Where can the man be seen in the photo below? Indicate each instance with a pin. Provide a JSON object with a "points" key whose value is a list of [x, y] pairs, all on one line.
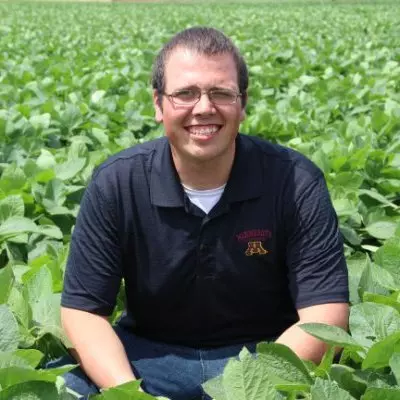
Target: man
{"points": [[223, 240]]}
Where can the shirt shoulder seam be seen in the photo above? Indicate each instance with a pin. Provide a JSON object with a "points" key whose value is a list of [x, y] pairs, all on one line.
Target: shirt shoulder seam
{"points": [[295, 163]]}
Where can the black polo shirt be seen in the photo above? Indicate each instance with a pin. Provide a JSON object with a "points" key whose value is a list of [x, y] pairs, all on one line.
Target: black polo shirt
{"points": [[269, 246]]}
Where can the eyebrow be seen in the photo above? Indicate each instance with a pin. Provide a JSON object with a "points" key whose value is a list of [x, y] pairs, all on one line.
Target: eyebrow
{"points": [[191, 87]]}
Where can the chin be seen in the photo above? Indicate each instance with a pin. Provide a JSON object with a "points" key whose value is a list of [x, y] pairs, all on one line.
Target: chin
{"points": [[204, 156]]}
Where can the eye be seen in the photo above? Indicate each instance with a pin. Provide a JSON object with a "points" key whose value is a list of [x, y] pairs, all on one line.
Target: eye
{"points": [[223, 96], [186, 95]]}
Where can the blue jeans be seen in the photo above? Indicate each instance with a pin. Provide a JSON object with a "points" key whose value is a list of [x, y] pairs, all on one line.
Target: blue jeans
{"points": [[173, 371]]}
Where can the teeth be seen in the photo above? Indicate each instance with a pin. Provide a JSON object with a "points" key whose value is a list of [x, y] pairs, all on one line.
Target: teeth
{"points": [[209, 130]]}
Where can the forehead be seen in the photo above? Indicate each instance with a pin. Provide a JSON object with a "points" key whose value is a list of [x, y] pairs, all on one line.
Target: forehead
{"points": [[186, 67]]}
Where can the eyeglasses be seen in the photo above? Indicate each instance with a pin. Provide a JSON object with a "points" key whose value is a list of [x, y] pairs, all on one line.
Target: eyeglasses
{"points": [[190, 97]]}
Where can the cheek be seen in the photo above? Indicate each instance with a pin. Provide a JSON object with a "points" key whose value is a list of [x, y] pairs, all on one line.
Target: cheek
{"points": [[174, 123], [236, 116], [175, 118]]}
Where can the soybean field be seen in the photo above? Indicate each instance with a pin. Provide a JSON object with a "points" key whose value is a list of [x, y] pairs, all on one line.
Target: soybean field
{"points": [[75, 89]]}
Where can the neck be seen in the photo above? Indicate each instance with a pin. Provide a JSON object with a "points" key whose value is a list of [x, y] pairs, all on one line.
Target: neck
{"points": [[203, 175]]}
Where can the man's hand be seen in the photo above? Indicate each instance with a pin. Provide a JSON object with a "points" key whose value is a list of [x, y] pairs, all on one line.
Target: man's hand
{"points": [[97, 348], [306, 346]]}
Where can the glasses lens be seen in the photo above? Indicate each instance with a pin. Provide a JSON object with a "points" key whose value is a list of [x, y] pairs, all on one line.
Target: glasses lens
{"points": [[185, 97], [222, 96]]}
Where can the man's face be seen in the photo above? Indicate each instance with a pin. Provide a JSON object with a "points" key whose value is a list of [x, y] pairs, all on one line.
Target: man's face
{"points": [[204, 131]]}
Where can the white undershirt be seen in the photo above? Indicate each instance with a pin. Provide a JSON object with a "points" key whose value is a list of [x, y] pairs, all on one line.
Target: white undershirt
{"points": [[204, 199]]}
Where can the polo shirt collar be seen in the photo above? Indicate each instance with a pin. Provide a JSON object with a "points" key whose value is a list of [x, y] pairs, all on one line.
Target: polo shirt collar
{"points": [[165, 186], [245, 181]]}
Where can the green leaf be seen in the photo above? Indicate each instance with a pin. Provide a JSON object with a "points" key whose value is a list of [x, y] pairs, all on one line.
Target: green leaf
{"points": [[19, 306], [46, 160], [350, 234], [344, 207], [378, 197], [394, 363], [11, 206], [69, 169], [325, 365], [332, 335], [101, 136], [71, 117], [19, 271], [116, 394], [55, 194], [30, 168], [370, 248], [58, 210], [46, 315], [371, 322], [381, 394], [350, 180], [379, 354], [392, 107], [126, 391], [30, 391], [328, 390], [215, 388], [356, 265], [10, 359], [52, 231], [59, 371], [16, 375], [280, 361], [43, 177], [246, 379], [348, 380], [6, 283], [97, 96], [12, 179], [380, 299], [292, 388], [382, 229], [388, 257], [15, 226], [31, 356], [26, 338], [15, 251], [78, 148], [51, 346], [375, 279], [40, 121], [8, 330], [39, 285]]}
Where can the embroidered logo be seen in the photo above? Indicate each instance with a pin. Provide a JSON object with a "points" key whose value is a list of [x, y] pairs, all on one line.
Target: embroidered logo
{"points": [[254, 239], [255, 248]]}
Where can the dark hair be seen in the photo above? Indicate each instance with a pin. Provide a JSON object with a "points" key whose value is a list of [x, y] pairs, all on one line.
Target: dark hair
{"points": [[207, 41]]}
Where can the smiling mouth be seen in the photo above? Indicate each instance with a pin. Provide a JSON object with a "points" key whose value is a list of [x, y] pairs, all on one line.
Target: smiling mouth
{"points": [[203, 130]]}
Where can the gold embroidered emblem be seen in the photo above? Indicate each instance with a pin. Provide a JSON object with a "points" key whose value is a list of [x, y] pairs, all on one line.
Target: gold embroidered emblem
{"points": [[255, 248]]}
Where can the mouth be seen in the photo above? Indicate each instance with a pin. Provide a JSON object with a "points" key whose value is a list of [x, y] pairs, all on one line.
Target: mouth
{"points": [[204, 131]]}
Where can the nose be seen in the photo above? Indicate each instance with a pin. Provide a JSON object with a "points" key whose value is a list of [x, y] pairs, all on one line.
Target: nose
{"points": [[204, 105]]}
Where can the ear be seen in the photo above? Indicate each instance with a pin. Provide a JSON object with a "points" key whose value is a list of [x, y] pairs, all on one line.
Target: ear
{"points": [[242, 114], [157, 107], [243, 107]]}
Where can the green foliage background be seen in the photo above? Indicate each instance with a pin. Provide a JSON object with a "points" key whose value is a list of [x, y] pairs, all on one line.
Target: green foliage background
{"points": [[74, 89]]}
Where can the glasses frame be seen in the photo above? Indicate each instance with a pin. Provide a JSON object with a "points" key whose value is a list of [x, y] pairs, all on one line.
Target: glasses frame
{"points": [[200, 93]]}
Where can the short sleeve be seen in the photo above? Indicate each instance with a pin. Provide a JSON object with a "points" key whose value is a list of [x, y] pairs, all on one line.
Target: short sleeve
{"points": [[93, 273], [316, 264]]}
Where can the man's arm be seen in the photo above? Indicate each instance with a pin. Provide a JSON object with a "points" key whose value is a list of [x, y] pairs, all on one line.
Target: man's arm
{"points": [[306, 346], [97, 348], [92, 279]]}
